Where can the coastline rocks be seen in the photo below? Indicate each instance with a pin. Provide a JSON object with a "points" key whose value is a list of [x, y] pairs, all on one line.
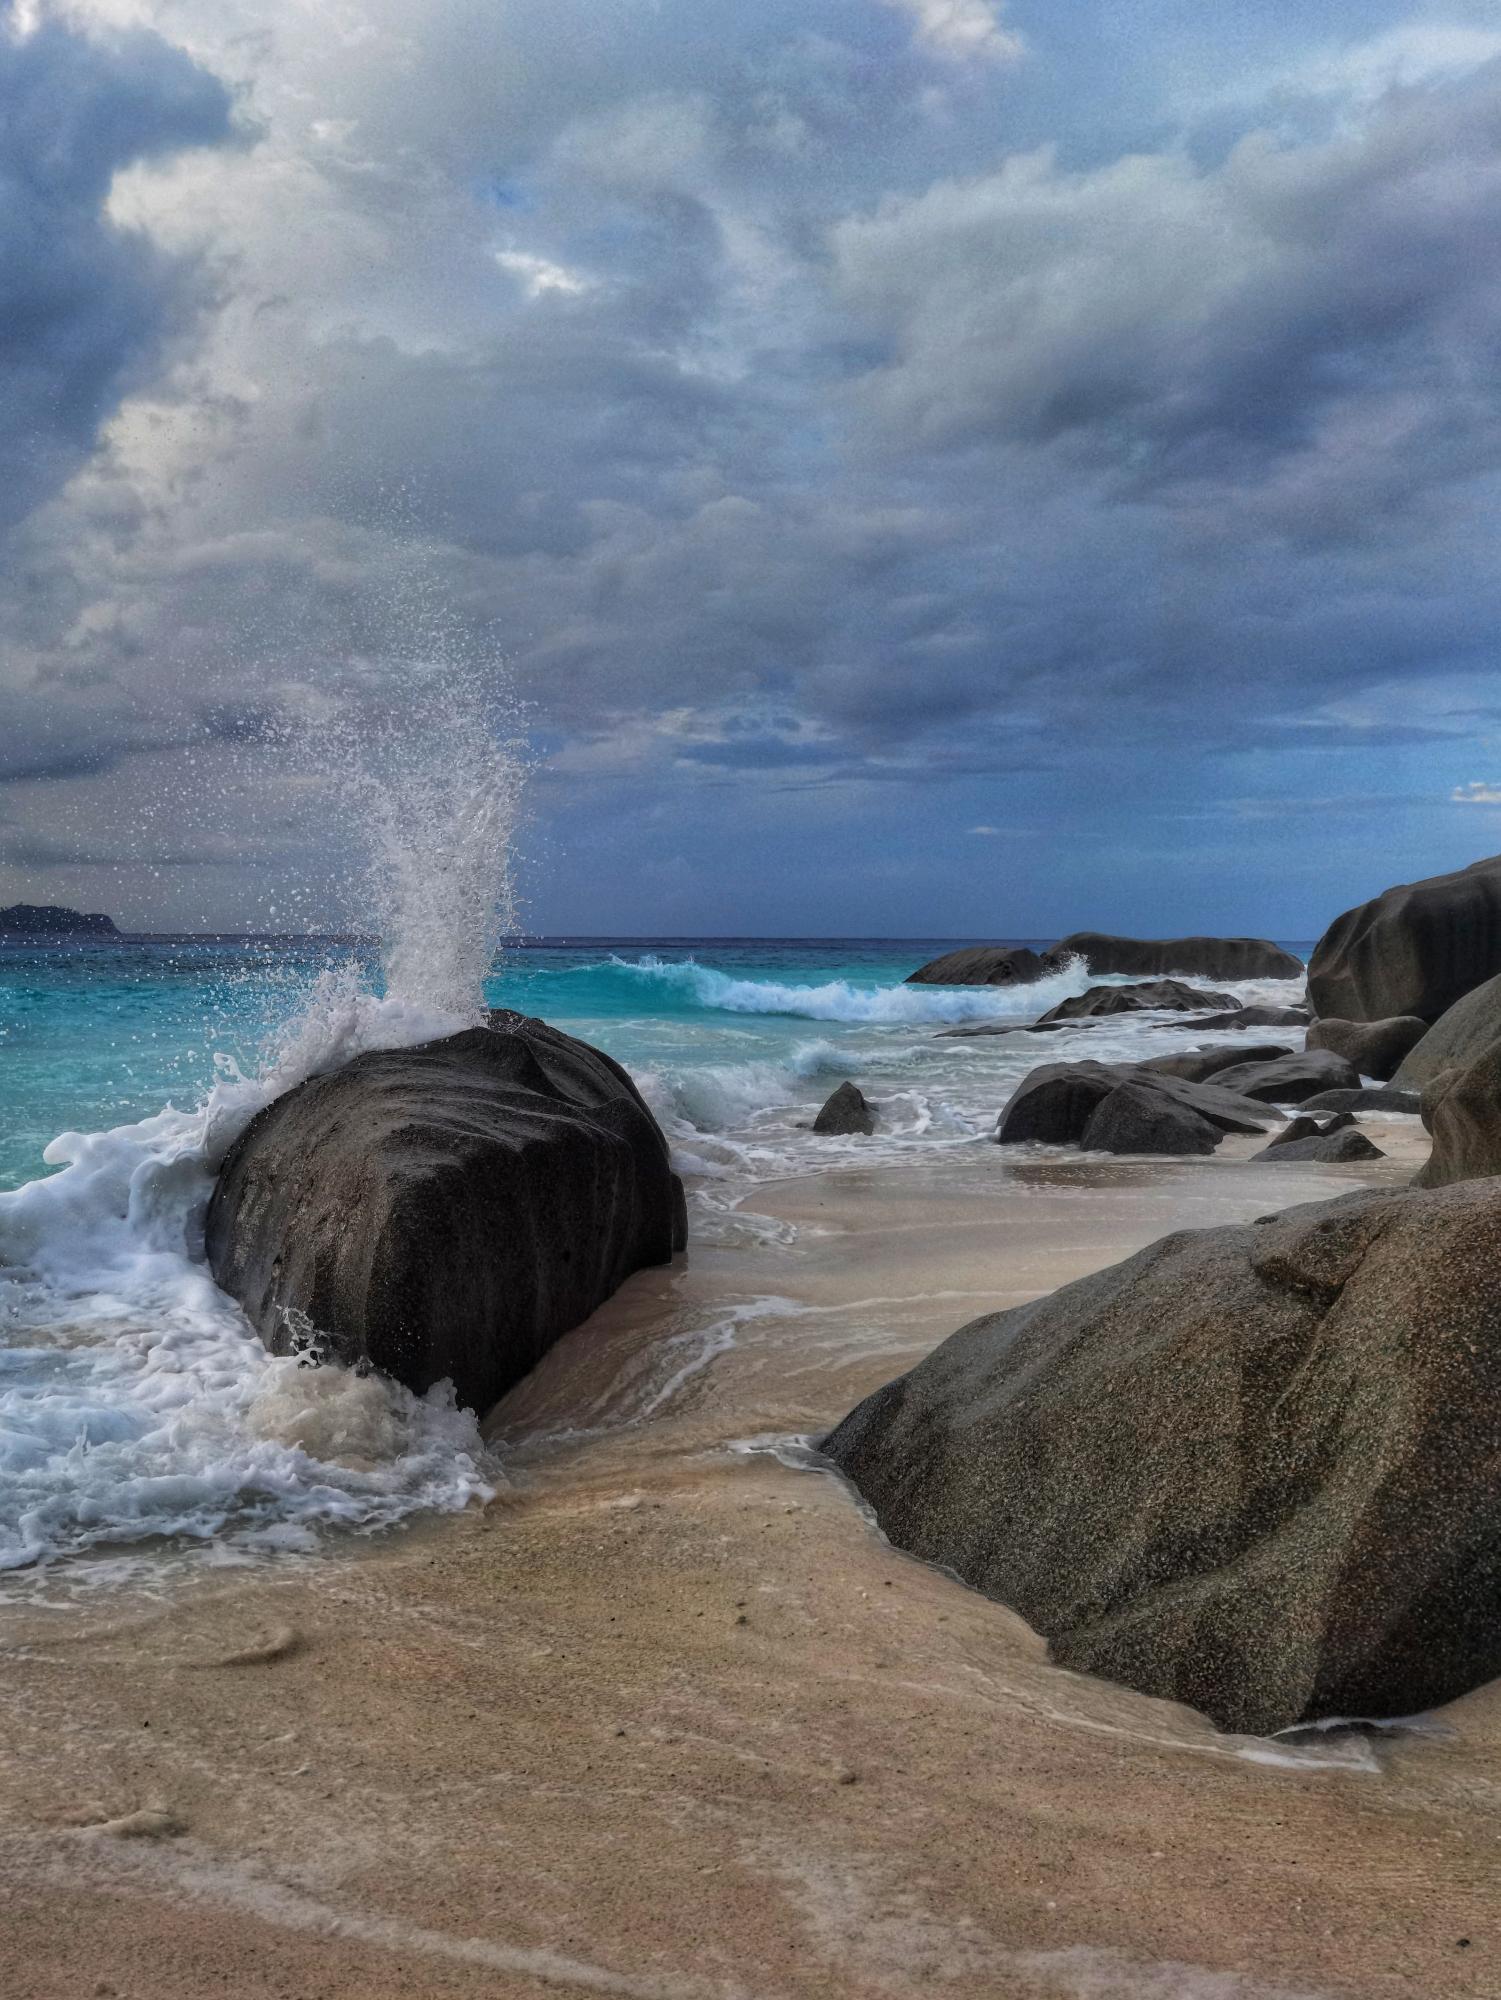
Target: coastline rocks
{"points": [[845, 1112], [1149, 958], [981, 965], [1056, 1105], [1330, 1147], [1250, 1468], [1456, 1037], [1198, 1065], [1292, 1078], [445, 1211], [1462, 1109], [1369, 1097], [1376, 1048], [1414, 949], [1150, 996]]}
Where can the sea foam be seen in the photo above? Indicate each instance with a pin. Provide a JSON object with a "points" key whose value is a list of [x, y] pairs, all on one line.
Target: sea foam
{"points": [[135, 1400]]}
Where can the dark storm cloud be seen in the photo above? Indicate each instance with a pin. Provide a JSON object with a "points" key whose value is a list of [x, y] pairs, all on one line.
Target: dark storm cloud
{"points": [[822, 400], [84, 305]]}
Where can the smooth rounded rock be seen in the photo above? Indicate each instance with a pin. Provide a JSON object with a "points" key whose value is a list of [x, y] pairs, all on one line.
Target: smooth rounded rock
{"points": [[1250, 1468], [448, 1211], [1414, 949]]}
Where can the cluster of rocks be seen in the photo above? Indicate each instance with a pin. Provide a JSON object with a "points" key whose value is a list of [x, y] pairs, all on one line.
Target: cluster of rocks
{"points": [[1181, 1104], [1250, 1468]]}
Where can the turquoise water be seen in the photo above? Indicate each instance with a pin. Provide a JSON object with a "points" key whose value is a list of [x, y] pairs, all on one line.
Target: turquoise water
{"points": [[136, 1405], [718, 1031], [96, 1035]]}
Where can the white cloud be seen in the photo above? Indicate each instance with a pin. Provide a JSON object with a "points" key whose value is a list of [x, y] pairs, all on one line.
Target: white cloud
{"points": [[1476, 793], [539, 274], [1416, 53], [962, 30]]}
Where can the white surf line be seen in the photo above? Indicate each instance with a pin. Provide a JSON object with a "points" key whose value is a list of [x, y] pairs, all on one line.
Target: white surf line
{"points": [[185, 1870], [1240, 1749]]}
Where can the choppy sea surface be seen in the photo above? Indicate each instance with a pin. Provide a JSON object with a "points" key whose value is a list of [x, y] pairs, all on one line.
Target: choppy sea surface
{"points": [[135, 1404]]}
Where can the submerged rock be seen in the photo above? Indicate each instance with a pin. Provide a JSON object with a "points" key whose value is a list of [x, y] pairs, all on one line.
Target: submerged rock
{"points": [[1250, 1468], [445, 1211], [1331, 1147], [1306, 1127], [1198, 1065], [1293, 1078], [1204, 957], [1149, 996], [1257, 1016], [1456, 1037], [1366, 1097], [846, 1112], [1376, 1048], [1414, 949], [981, 965]]}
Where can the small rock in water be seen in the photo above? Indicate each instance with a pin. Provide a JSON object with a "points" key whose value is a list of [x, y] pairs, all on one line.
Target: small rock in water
{"points": [[846, 1113]]}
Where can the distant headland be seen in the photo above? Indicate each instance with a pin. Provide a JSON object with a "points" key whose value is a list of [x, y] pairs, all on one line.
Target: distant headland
{"points": [[52, 920]]}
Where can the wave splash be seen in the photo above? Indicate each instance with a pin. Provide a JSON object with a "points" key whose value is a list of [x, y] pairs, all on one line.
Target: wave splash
{"points": [[134, 1398], [839, 1000]]}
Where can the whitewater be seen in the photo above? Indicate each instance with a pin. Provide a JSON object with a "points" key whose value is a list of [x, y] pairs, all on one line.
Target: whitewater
{"points": [[136, 1404]]}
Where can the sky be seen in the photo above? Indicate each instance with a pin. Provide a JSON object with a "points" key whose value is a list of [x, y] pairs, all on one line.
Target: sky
{"points": [[905, 467]]}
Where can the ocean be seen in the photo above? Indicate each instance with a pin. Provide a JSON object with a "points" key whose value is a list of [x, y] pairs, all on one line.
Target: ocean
{"points": [[138, 1412]]}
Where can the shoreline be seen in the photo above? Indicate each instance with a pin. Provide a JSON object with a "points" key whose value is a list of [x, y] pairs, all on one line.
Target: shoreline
{"points": [[670, 1718]]}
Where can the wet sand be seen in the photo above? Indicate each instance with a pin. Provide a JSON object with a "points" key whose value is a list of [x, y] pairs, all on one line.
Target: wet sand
{"points": [[668, 1718]]}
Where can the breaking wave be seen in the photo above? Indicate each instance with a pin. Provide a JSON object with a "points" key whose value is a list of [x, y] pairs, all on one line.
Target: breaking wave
{"points": [[839, 1000]]}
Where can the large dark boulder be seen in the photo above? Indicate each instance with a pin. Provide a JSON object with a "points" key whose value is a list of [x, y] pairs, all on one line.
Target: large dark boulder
{"points": [[1462, 1109], [1291, 1079], [1203, 957], [1056, 1104], [1198, 1065], [1376, 1048], [981, 965], [1456, 1037], [1414, 949], [1149, 996], [1251, 1468], [445, 1211], [846, 1113]]}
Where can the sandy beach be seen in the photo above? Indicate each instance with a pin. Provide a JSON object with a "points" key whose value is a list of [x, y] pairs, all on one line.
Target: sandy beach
{"points": [[669, 1718]]}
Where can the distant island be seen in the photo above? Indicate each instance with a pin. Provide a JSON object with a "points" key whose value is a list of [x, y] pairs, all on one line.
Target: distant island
{"points": [[52, 920]]}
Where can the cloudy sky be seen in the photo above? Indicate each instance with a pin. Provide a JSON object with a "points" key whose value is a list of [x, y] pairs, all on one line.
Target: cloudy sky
{"points": [[909, 466]]}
